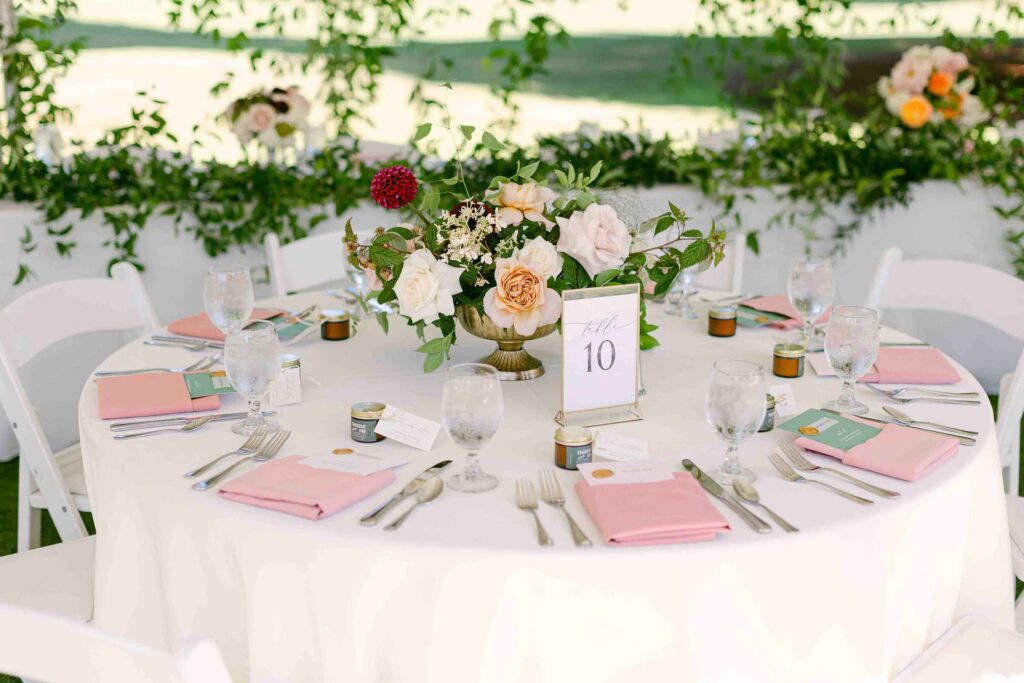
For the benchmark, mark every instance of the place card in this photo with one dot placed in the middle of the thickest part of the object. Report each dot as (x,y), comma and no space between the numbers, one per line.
(353,463)
(830,429)
(640,472)
(619,448)
(208,383)
(287,388)
(785,402)
(404,427)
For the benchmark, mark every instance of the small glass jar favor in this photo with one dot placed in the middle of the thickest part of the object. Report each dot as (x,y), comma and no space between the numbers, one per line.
(769,416)
(335,325)
(364,422)
(788,360)
(573,446)
(722,321)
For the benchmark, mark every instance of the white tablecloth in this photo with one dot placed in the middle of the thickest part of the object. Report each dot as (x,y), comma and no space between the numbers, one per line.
(463,593)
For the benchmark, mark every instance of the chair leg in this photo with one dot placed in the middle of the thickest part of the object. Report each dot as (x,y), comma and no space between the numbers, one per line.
(29,519)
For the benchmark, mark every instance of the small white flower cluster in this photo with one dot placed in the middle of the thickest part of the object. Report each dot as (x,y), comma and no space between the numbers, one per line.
(465,234)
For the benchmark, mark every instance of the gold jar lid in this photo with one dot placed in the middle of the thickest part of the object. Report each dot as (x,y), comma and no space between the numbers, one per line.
(370,410)
(771,401)
(722,313)
(289,361)
(790,350)
(573,436)
(336,316)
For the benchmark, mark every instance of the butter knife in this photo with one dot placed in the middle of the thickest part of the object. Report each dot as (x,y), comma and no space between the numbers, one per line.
(712,487)
(373,517)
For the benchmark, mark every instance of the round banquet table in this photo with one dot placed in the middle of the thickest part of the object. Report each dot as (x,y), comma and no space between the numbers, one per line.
(463,592)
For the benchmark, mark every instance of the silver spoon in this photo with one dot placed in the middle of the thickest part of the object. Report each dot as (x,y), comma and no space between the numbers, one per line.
(903,417)
(201,364)
(426,492)
(190,426)
(747,492)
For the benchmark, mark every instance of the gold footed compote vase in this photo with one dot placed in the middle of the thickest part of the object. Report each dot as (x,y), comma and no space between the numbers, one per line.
(510,359)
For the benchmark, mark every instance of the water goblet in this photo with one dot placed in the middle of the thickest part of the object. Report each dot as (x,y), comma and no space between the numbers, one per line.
(228,296)
(674,299)
(252,359)
(735,406)
(471,411)
(851,346)
(811,288)
(686,279)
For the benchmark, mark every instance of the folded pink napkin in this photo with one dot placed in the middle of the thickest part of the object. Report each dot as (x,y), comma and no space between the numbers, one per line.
(152,393)
(199,325)
(911,366)
(675,511)
(779,303)
(898,451)
(288,486)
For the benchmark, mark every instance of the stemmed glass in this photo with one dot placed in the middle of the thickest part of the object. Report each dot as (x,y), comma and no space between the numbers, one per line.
(735,406)
(851,346)
(678,297)
(228,296)
(811,288)
(471,410)
(252,358)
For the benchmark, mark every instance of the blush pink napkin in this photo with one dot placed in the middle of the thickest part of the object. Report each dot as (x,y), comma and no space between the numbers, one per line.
(199,325)
(779,303)
(152,393)
(286,485)
(676,511)
(897,451)
(911,366)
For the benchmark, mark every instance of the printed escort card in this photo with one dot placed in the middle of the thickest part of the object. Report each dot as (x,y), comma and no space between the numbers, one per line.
(640,472)
(208,383)
(404,427)
(830,429)
(600,355)
(751,317)
(619,448)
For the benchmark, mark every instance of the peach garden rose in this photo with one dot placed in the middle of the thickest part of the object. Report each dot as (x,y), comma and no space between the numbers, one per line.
(521,298)
(527,201)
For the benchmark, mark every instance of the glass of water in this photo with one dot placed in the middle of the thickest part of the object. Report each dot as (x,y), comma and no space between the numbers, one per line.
(471,411)
(851,346)
(252,358)
(228,296)
(735,406)
(811,288)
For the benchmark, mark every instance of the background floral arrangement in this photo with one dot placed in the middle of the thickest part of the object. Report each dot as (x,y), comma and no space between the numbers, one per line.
(271,117)
(932,85)
(510,250)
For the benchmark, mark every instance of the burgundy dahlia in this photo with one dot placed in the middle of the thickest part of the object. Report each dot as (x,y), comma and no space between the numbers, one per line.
(394,187)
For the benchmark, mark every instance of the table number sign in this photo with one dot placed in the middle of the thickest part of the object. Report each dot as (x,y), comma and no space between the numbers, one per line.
(600,355)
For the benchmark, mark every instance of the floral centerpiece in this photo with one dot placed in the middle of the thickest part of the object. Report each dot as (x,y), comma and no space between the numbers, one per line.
(271,117)
(932,85)
(497,259)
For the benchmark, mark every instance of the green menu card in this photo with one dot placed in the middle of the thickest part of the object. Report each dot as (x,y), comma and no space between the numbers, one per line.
(830,429)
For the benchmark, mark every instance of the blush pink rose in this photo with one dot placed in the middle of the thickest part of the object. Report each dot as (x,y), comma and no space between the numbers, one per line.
(595,237)
(260,117)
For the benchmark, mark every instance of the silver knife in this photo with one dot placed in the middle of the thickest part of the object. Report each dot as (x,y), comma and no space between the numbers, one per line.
(373,517)
(712,487)
(172,421)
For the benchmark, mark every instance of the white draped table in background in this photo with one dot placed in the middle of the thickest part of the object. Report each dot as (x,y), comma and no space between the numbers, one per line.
(463,592)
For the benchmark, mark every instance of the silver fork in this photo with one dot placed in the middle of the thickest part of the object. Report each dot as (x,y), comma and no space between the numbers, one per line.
(190,426)
(201,364)
(789,474)
(268,451)
(802,463)
(526,499)
(551,493)
(896,393)
(248,448)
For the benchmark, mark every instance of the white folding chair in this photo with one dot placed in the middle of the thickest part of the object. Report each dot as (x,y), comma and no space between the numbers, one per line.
(45,604)
(728,275)
(972,290)
(305,263)
(29,324)
(973,651)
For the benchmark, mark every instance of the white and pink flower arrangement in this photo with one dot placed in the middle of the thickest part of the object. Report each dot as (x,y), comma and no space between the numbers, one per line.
(511,250)
(932,85)
(272,117)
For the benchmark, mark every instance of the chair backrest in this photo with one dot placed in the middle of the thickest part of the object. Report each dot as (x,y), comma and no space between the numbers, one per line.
(969,289)
(41,318)
(728,275)
(304,263)
(44,647)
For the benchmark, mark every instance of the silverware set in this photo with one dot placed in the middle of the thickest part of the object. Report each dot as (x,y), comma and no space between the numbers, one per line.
(267,451)
(177,421)
(189,343)
(730,501)
(789,474)
(202,364)
(250,447)
(905,419)
(794,458)
(410,489)
(189,426)
(550,493)
(931,395)
(964,440)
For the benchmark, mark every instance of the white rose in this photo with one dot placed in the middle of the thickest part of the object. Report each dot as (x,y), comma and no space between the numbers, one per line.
(595,237)
(426,286)
(972,112)
(541,256)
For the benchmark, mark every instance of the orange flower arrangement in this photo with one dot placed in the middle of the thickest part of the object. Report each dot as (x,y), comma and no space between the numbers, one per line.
(932,84)
(916,111)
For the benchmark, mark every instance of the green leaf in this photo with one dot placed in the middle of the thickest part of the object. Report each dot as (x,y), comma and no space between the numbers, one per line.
(432,361)
(573,275)
(752,242)
(647,342)
(439,345)
(526,172)
(595,171)
(422,131)
(604,277)
(467,131)
(491,142)
(382,320)
(384,257)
